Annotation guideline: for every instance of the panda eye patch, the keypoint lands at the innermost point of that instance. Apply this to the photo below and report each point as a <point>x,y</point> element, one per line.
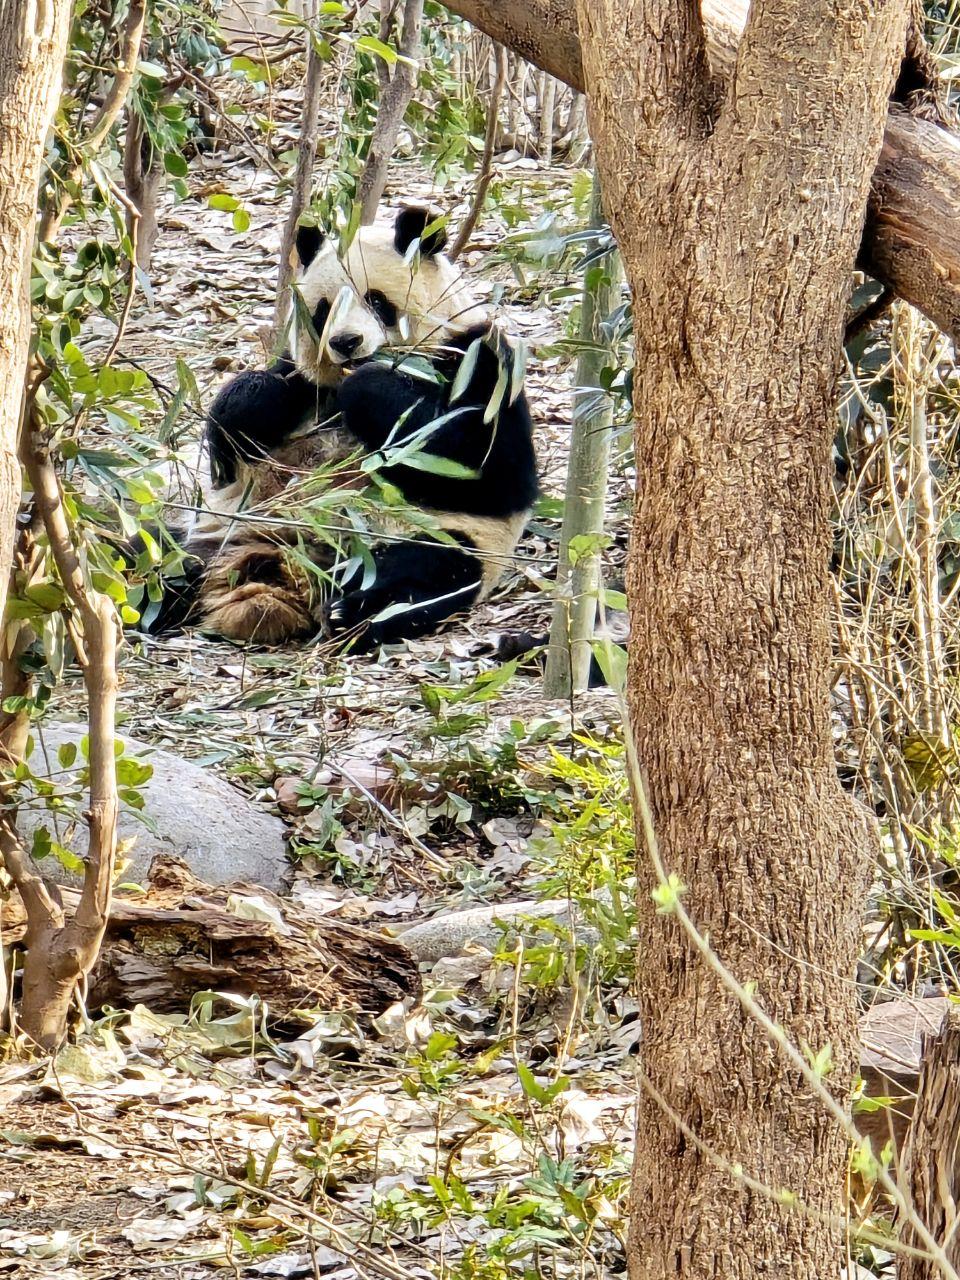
<point>321,315</point>
<point>382,308</point>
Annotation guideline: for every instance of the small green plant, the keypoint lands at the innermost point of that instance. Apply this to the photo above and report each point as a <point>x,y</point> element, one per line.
<point>588,858</point>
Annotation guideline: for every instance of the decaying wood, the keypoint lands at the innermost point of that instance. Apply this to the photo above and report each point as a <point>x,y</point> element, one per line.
<point>912,237</point>
<point>931,1162</point>
<point>891,1042</point>
<point>184,936</point>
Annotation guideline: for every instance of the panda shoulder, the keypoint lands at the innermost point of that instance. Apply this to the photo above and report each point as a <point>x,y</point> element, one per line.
<point>487,349</point>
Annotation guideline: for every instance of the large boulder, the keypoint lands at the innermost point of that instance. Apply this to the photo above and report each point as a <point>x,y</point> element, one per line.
<point>220,834</point>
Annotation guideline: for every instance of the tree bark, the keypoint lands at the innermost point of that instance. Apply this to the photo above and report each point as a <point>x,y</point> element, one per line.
<point>912,237</point>
<point>142,180</point>
<point>931,1160</point>
<point>302,181</point>
<point>394,101</point>
<point>58,199</point>
<point>548,97</point>
<point>32,44</point>
<point>739,215</point>
<point>61,951</point>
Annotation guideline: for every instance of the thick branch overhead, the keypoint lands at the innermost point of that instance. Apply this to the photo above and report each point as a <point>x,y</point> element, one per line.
<point>911,242</point>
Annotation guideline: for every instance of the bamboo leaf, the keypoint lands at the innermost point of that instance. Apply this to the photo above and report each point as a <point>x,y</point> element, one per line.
<point>465,372</point>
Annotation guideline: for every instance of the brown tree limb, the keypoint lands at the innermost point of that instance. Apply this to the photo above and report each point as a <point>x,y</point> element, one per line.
<point>912,235</point>
<point>486,163</point>
<point>394,101</point>
<point>32,44</point>
<point>142,176</point>
<point>59,201</point>
<point>302,180</point>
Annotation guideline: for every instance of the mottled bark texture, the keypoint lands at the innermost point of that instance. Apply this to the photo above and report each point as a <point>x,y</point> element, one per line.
<point>32,42</point>
<point>739,211</point>
<point>912,237</point>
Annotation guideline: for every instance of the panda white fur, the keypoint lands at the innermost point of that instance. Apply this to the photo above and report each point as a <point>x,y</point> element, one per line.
<point>393,289</point>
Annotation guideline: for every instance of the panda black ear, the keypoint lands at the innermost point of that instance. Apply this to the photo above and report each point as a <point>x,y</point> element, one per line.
<point>308,242</point>
<point>412,221</point>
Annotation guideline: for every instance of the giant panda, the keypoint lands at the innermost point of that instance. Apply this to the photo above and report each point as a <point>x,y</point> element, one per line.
<point>345,388</point>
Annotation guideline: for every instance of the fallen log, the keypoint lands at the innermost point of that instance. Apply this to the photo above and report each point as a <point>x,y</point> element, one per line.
<point>912,236</point>
<point>184,936</point>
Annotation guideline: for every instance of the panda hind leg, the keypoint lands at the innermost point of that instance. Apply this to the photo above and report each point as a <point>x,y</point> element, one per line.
<point>252,594</point>
<point>418,585</point>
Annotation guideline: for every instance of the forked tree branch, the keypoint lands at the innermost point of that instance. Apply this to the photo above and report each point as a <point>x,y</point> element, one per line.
<point>62,951</point>
<point>99,621</point>
<point>59,200</point>
<point>912,236</point>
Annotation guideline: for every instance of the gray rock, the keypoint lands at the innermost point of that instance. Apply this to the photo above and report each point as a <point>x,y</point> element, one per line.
<point>446,935</point>
<point>219,833</point>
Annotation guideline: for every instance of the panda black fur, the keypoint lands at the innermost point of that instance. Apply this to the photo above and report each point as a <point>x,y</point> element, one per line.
<point>243,584</point>
<point>485,514</point>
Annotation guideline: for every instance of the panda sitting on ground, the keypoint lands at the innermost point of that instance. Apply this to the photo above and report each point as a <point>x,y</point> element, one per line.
<point>329,399</point>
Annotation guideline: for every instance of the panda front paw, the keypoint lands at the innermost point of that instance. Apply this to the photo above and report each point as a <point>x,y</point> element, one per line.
<point>345,621</point>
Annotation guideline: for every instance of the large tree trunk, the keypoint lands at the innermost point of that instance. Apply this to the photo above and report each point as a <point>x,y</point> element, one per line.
<point>912,236</point>
<point>32,43</point>
<point>739,216</point>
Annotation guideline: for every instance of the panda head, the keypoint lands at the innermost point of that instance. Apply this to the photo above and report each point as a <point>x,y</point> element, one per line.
<point>393,286</point>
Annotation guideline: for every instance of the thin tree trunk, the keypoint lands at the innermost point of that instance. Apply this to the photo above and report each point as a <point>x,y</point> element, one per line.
<point>931,1159</point>
<point>513,98</point>
<point>739,216</point>
<point>911,240</point>
<point>302,180</point>
<point>524,117</point>
<point>486,163</point>
<point>142,179</point>
<point>548,93</point>
<point>394,101</point>
<point>578,581</point>
<point>61,951</point>
<point>32,44</point>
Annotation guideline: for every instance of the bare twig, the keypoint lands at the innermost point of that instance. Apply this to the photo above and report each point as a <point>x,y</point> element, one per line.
<point>486,164</point>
